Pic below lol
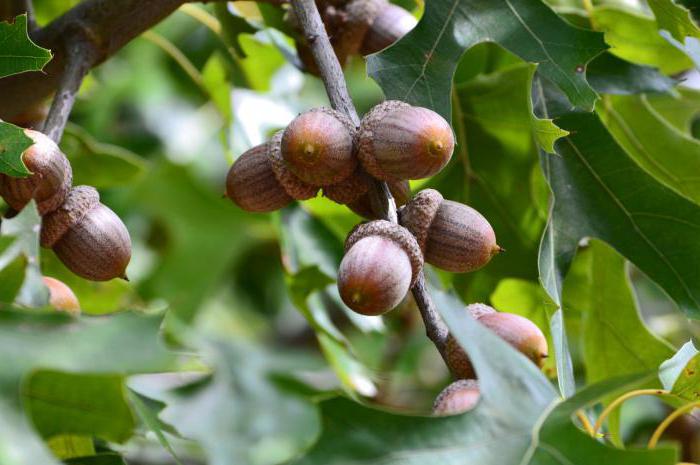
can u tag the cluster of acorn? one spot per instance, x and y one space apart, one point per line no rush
88 237
356 27
322 150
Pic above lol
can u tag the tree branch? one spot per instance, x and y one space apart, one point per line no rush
382 202
109 24
80 58
10 9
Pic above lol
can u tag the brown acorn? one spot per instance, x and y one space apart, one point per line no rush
251 184
87 236
49 182
459 397
295 187
381 263
453 236
398 141
516 330
391 23
61 297
318 147
362 205
349 189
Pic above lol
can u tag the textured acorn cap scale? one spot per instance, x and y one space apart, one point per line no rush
251 184
318 147
49 182
399 141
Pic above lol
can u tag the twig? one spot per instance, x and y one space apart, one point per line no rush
80 57
111 25
380 196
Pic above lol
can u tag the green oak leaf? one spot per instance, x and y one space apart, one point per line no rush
690 46
609 74
600 192
660 148
540 433
18 53
679 109
19 238
419 68
615 339
82 404
635 38
13 143
674 18
680 374
238 414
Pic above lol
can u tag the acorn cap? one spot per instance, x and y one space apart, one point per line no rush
349 189
390 24
478 310
399 141
251 184
459 397
419 213
397 234
49 182
318 146
295 187
79 202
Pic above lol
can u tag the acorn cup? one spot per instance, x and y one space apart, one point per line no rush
88 237
49 182
251 184
451 235
459 397
381 263
516 330
398 141
318 148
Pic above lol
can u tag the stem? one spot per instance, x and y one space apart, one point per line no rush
382 201
668 420
628 395
79 60
585 422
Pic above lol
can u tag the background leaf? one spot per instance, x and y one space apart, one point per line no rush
13 143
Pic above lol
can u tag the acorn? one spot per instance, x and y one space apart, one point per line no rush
318 148
398 141
350 189
362 205
49 182
391 23
251 184
452 236
61 297
459 397
87 236
381 263
516 330
295 187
